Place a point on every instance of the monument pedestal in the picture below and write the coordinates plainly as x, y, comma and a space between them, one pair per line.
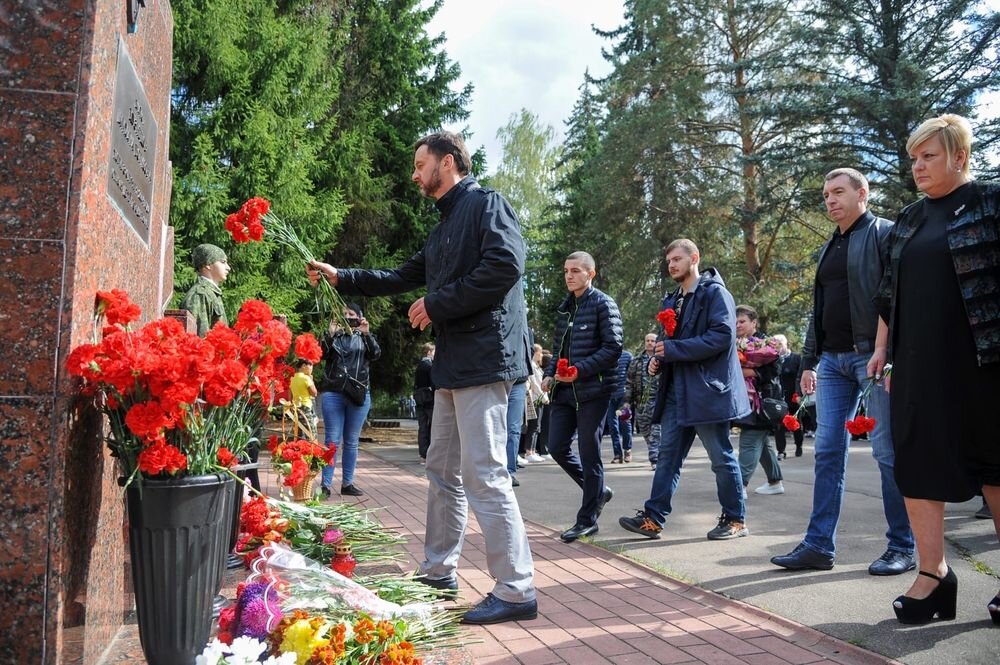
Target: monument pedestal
84, 204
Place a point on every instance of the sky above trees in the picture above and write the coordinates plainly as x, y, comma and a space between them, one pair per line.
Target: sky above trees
523, 54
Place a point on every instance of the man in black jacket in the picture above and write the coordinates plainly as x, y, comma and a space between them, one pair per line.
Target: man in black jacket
840, 341
588, 341
472, 265
423, 393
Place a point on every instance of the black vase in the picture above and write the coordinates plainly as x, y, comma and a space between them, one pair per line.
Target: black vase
178, 535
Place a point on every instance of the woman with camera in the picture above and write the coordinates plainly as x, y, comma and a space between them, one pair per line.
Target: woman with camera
343, 393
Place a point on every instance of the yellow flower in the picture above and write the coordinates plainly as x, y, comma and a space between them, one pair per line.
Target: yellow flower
302, 639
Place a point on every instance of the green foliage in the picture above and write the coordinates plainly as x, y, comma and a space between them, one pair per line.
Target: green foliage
893, 65
314, 105
719, 120
526, 176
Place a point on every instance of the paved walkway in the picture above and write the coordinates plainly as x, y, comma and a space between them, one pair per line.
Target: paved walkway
598, 607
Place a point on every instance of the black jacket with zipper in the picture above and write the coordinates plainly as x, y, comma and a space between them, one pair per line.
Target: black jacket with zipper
347, 354
864, 274
589, 336
472, 265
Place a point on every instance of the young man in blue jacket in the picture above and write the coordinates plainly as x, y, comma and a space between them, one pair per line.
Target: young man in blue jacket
471, 264
701, 389
588, 341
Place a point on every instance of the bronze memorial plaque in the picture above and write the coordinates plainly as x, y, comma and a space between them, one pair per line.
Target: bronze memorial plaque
133, 148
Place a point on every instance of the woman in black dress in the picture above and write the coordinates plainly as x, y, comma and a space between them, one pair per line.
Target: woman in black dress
941, 299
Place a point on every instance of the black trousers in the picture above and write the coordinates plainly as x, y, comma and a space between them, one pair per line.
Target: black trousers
425, 414
585, 468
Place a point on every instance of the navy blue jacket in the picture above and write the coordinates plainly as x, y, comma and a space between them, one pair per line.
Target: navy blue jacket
701, 358
472, 265
592, 344
623, 362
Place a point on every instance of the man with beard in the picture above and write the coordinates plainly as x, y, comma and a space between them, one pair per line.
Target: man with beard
700, 391
471, 264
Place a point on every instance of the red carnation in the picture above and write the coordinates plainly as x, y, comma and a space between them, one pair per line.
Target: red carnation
668, 319
252, 314
147, 419
330, 453
226, 458
795, 398
860, 425
564, 370
791, 423
307, 348
161, 457
298, 473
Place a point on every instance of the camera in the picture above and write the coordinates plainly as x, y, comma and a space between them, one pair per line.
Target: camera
354, 323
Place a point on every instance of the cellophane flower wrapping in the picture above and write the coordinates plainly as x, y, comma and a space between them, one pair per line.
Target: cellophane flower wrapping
304, 584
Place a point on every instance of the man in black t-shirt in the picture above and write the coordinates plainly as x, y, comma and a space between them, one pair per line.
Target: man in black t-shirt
839, 343
423, 394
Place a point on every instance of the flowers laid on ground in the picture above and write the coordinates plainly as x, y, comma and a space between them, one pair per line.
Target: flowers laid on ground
242, 651
301, 607
176, 403
254, 221
314, 530
564, 370
668, 319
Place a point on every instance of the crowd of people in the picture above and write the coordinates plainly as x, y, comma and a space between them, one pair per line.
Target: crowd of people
489, 400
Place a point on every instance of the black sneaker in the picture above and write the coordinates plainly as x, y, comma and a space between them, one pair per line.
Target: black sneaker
641, 524
325, 492
727, 529
350, 490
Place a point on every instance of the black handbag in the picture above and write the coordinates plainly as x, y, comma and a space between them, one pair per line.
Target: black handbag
774, 409
354, 390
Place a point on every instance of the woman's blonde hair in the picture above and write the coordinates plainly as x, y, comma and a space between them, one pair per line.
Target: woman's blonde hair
955, 134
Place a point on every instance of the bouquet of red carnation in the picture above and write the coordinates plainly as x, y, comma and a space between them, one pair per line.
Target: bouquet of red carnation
254, 221
668, 319
178, 404
861, 424
564, 370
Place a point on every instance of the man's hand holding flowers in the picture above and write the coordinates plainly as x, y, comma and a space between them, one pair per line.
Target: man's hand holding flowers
565, 372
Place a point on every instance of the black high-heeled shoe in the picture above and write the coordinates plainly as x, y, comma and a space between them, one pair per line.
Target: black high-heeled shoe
994, 609
941, 601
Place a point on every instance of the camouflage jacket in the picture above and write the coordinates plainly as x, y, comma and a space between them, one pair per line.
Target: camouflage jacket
204, 301
638, 382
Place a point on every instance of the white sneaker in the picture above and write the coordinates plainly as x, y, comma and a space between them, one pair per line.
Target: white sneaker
535, 457
522, 460
767, 488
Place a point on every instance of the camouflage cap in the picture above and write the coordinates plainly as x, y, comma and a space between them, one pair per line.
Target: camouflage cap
206, 255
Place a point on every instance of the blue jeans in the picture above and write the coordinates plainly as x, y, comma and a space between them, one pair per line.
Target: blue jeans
515, 420
621, 432
840, 378
342, 423
755, 446
586, 469
675, 444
